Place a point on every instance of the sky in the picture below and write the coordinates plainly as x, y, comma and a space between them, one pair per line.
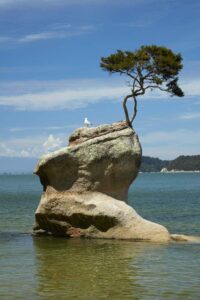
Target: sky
50, 75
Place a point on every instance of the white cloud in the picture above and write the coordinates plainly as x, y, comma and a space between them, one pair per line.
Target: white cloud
68, 99
31, 146
191, 87
24, 153
5, 150
73, 94
190, 116
59, 32
52, 143
68, 95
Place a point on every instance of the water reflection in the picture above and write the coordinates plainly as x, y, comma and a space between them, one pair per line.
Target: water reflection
49, 268
88, 269
115, 270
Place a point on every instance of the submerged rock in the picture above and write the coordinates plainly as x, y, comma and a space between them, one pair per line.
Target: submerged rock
86, 187
185, 238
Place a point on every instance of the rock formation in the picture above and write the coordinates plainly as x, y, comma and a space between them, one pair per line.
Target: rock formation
86, 187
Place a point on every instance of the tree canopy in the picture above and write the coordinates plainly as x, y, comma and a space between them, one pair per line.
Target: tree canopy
149, 67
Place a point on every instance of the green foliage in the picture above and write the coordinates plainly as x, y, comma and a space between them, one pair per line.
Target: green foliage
150, 67
122, 61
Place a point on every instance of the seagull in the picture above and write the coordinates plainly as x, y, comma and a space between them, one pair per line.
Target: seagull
87, 123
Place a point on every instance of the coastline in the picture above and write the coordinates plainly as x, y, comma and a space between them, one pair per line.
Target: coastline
173, 171
164, 170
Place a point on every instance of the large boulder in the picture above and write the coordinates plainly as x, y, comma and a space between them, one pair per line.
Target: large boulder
86, 187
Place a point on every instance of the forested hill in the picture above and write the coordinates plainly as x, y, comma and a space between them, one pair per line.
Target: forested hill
181, 163
152, 164
186, 163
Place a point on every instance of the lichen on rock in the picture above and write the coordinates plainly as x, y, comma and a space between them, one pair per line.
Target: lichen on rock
86, 187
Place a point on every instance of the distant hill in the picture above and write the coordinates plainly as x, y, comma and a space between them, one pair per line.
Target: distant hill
152, 164
185, 163
181, 163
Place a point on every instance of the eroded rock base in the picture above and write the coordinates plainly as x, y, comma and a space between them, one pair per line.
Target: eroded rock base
94, 215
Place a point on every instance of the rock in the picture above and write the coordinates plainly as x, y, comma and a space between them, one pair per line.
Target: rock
185, 238
94, 215
86, 187
104, 159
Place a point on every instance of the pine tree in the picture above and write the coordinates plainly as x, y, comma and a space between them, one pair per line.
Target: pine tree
148, 68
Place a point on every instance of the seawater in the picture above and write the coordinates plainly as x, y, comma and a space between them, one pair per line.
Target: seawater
55, 268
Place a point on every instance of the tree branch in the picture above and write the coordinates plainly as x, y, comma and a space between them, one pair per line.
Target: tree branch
155, 87
135, 108
148, 74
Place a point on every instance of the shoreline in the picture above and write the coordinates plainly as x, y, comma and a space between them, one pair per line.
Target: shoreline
166, 172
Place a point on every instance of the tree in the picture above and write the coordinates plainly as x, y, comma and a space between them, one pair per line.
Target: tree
150, 67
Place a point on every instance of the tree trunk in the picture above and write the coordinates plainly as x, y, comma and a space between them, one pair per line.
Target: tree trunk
135, 108
128, 120
129, 123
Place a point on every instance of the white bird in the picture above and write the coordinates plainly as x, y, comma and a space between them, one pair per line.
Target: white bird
87, 123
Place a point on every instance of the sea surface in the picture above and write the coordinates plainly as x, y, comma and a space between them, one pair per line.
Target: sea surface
56, 268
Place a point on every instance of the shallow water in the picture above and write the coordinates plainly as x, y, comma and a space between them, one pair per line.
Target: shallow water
50, 268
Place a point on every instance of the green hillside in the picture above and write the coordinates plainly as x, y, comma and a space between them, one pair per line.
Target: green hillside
185, 163
181, 163
152, 164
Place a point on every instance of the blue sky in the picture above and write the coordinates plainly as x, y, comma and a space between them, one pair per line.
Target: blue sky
50, 77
